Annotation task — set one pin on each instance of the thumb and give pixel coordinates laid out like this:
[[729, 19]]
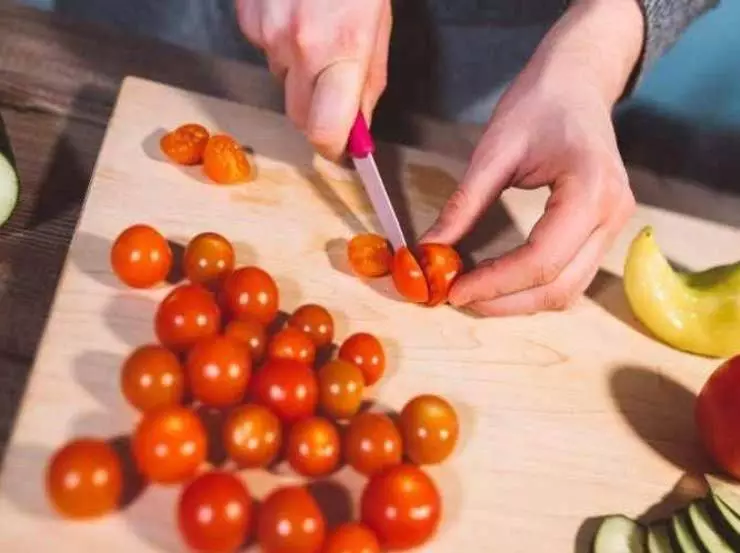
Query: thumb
[[334, 106], [489, 172]]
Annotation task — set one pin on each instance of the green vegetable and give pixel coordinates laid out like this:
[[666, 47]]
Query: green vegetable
[[9, 183]]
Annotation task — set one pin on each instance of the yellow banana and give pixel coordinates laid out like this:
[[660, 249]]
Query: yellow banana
[[697, 312]]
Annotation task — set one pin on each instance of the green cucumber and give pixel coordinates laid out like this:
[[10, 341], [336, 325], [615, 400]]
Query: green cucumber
[[9, 183], [727, 520], [704, 529], [658, 538], [683, 534], [619, 534]]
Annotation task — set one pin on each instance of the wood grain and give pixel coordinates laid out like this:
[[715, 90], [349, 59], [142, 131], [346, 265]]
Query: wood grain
[[565, 416]]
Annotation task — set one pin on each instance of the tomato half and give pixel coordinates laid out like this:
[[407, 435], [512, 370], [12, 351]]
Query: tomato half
[[371, 443], [442, 265], [224, 160], [188, 313], [141, 257], [251, 332], [291, 343], [315, 321], [288, 388], [341, 385], [290, 521], [312, 447], [152, 377], [208, 258], [250, 292], [429, 428], [218, 370], [365, 351], [369, 255], [185, 145], [408, 277], [252, 436], [351, 537]]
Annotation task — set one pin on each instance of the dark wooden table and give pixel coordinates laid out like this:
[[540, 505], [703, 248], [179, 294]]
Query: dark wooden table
[[58, 83]]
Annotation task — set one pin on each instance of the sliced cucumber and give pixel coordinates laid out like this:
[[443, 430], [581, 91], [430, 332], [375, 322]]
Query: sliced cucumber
[[9, 183], [658, 538], [727, 520], [703, 526], [619, 534], [683, 534]]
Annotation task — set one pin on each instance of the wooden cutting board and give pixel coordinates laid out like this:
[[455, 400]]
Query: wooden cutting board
[[565, 416]]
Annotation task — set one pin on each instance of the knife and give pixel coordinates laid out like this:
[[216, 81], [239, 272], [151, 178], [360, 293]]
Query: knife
[[361, 148]]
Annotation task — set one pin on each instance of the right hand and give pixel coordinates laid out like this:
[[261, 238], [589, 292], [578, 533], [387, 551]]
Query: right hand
[[332, 56]]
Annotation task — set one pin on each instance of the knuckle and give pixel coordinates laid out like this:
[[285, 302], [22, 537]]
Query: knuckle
[[458, 202], [305, 41], [555, 299], [270, 38], [545, 272]]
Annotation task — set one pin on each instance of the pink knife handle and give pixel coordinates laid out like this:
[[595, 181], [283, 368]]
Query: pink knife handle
[[360, 143]]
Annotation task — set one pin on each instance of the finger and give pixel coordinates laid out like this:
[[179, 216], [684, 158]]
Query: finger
[[334, 106], [377, 76], [248, 17], [572, 213], [298, 92], [490, 171]]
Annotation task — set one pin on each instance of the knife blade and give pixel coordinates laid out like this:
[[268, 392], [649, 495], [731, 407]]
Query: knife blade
[[361, 148]]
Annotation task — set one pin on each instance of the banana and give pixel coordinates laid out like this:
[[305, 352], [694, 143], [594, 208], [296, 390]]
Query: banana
[[696, 312]]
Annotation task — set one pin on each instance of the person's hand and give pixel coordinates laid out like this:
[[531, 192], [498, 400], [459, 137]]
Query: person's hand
[[332, 56], [551, 128]]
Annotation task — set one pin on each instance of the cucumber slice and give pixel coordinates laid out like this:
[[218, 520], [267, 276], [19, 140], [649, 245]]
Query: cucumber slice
[[658, 538], [619, 534], [703, 526], [683, 534], [727, 520], [9, 183]]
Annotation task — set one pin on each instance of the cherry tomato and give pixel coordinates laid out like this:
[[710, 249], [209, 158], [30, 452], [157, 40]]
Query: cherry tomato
[[224, 160], [215, 513], [315, 321], [340, 388], [442, 265], [372, 443], [250, 292], [208, 258], [351, 537], [429, 428], [188, 314], [84, 479], [717, 414], [369, 255], [291, 343], [152, 377], [365, 351], [408, 277], [290, 521], [141, 257], [288, 388], [219, 369], [186, 144], [401, 504], [313, 447], [169, 445], [252, 436], [252, 333]]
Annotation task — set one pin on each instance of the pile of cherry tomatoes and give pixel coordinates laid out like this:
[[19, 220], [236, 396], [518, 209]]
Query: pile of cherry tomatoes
[[285, 395]]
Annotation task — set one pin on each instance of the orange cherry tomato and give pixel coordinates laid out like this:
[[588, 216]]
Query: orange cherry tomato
[[219, 369], [188, 314], [208, 258], [252, 436], [186, 144], [409, 278], [313, 447], [252, 333], [341, 385], [372, 442], [365, 351], [169, 445], [351, 537], [402, 506], [84, 479], [369, 255], [152, 377], [315, 321], [215, 512], [224, 160], [288, 388], [442, 265], [141, 257], [429, 428], [291, 343], [290, 521], [250, 292]]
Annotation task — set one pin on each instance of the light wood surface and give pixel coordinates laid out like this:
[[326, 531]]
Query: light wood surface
[[565, 416]]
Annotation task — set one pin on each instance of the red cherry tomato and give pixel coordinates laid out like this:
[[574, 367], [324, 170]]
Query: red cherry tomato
[[365, 351], [369, 255], [252, 333], [290, 521], [341, 385], [718, 416], [288, 388], [152, 377], [141, 257], [371, 443], [408, 277], [188, 314], [84, 479], [315, 321], [294, 344], [186, 144], [215, 512], [402, 506], [208, 258], [219, 369], [442, 265], [312, 447], [429, 429], [224, 160], [250, 292], [252, 436], [351, 537], [169, 445]]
